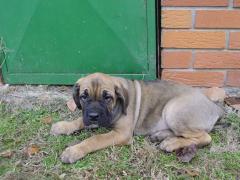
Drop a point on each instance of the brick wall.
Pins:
(200, 42)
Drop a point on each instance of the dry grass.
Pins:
(25, 126)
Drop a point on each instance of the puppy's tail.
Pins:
(215, 94)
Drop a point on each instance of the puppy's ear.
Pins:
(122, 97)
(76, 98)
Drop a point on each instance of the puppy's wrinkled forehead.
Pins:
(96, 86)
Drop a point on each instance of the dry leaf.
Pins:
(32, 149)
(17, 141)
(18, 163)
(6, 154)
(62, 176)
(187, 153)
(71, 105)
(215, 94)
(188, 171)
(233, 102)
(124, 173)
(192, 172)
(47, 120)
(236, 106)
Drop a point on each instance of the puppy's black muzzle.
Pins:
(93, 116)
(96, 113)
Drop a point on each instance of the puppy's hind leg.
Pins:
(161, 135)
(190, 117)
(170, 144)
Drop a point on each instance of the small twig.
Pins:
(3, 50)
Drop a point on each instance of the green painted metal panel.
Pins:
(58, 41)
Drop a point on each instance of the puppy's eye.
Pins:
(84, 97)
(108, 98)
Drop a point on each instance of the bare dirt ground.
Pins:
(28, 97)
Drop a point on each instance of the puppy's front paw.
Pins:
(71, 155)
(59, 128)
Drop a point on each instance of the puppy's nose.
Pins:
(93, 116)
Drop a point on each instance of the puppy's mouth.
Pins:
(92, 126)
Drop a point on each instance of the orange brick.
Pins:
(176, 59)
(217, 19)
(195, 78)
(193, 39)
(233, 78)
(236, 3)
(234, 40)
(176, 19)
(195, 3)
(217, 60)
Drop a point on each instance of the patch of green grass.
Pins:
(137, 161)
(235, 122)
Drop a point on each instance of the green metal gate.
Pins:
(58, 41)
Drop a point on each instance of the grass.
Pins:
(18, 130)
